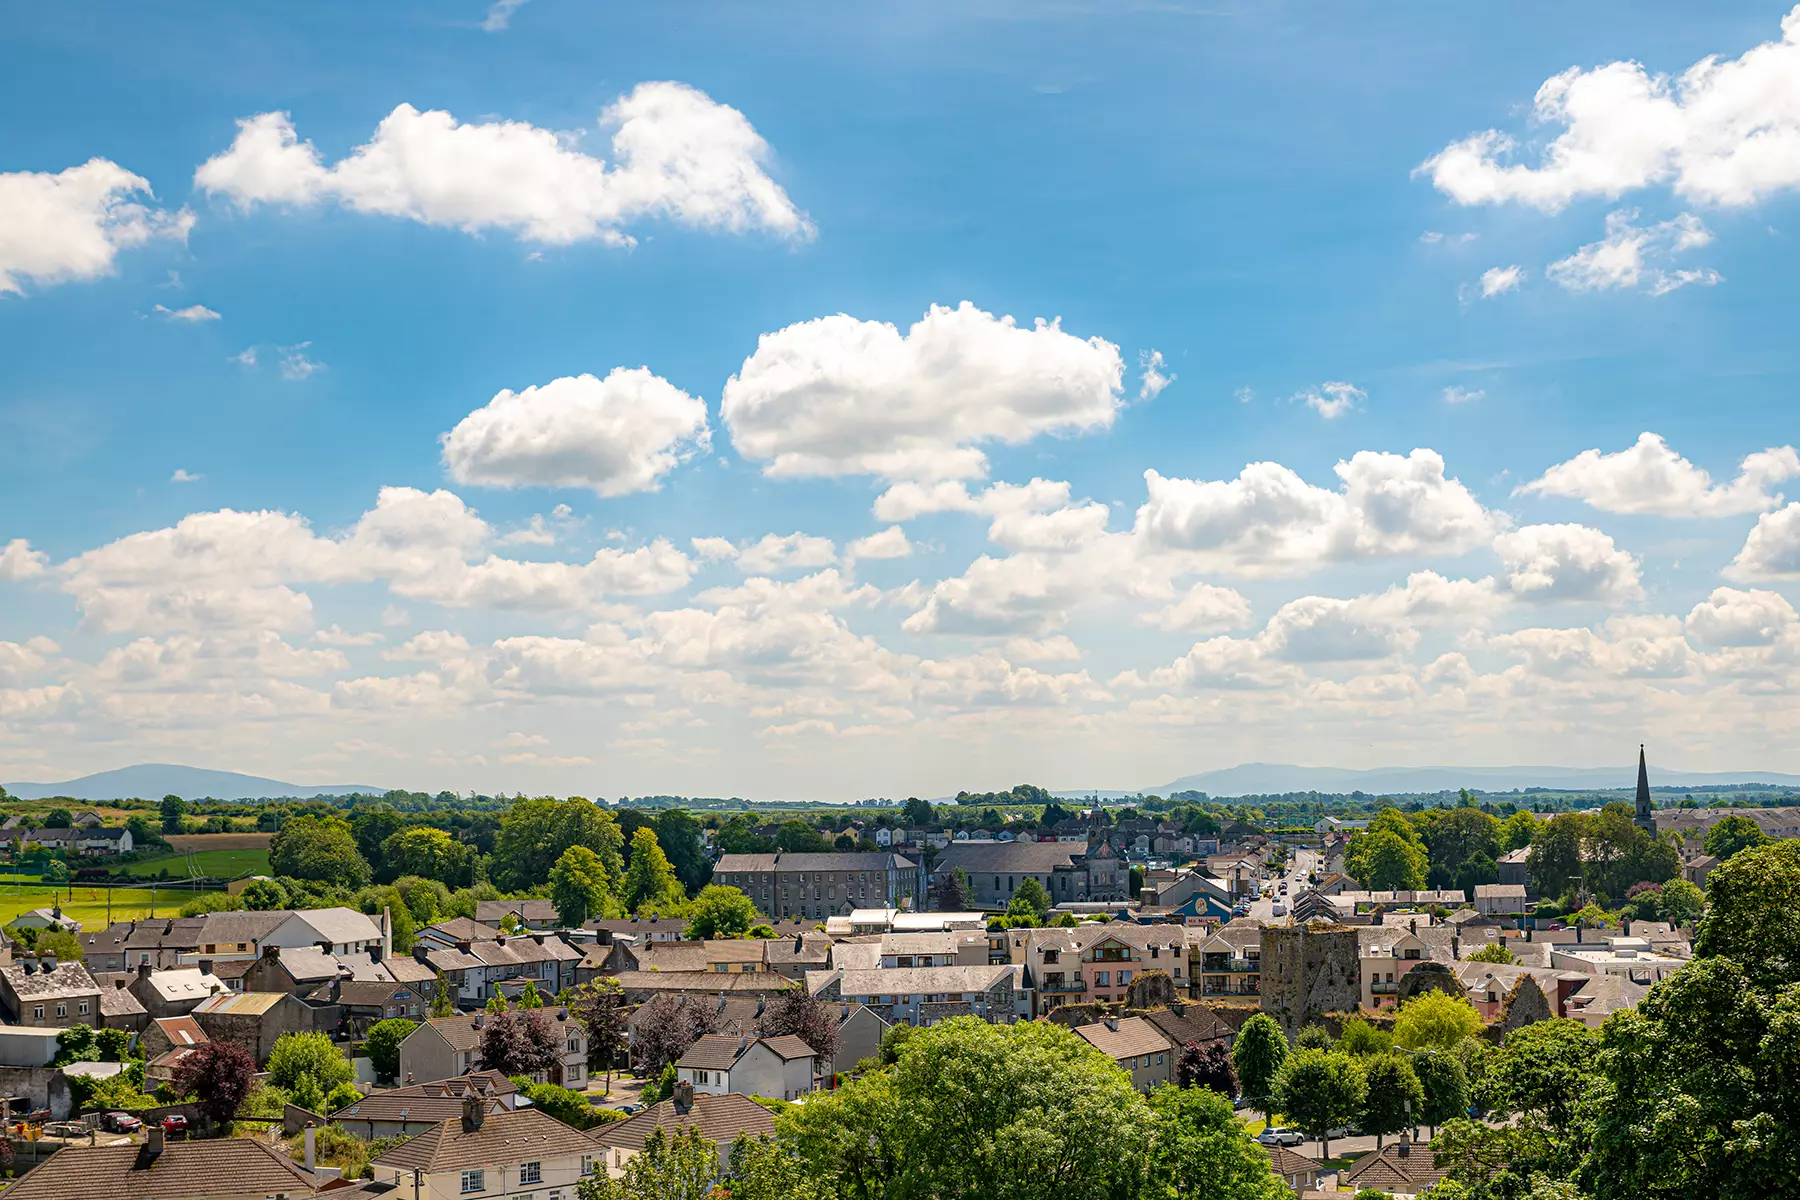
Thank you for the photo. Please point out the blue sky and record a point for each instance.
(1287, 203)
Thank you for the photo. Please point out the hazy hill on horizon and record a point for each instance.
(1250, 779)
(153, 781)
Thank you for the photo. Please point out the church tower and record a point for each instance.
(1646, 817)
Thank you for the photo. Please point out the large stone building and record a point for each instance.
(822, 885)
(1071, 872)
(1309, 970)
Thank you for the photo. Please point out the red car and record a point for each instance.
(174, 1123)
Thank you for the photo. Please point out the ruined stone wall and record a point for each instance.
(1308, 971)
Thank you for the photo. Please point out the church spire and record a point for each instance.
(1646, 817)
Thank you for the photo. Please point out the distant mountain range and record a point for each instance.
(153, 781)
(1250, 779)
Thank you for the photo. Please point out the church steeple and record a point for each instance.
(1646, 817)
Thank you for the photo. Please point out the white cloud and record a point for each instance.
(337, 636)
(183, 475)
(1624, 648)
(191, 314)
(1155, 377)
(1725, 132)
(72, 225)
(1462, 395)
(1729, 617)
(1203, 609)
(1432, 237)
(1057, 648)
(1573, 563)
(889, 543)
(616, 435)
(296, 365)
(19, 561)
(1497, 281)
(1625, 257)
(1772, 551)
(499, 14)
(838, 396)
(1648, 477)
(1270, 521)
(1333, 400)
(534, 533)
(247, 358)
(904, 501)
(676, 154)
(785, 553)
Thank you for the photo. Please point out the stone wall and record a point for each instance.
(1308, 971)
(46, 1087)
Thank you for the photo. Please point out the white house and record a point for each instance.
(781, 1068)
(348, 931)
(489, 1156)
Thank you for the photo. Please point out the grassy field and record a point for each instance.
(221, 863)
(89, 905)
(198, 842)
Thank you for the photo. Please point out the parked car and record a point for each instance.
(1280, 909)
(174, 1123)
(1281, 1135)
(1343, 1131)
(628, 1109)
(120, 1122)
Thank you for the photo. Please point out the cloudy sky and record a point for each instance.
(824, 400)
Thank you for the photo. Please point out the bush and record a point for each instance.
(343, 1096)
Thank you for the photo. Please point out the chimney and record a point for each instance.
(143, 970)
(480, 1020)
(1412, 926)
(312, 1153)
(153, 1141)
(474, 1113)
(683, 1097)
(1625, 927)
(1404, 1147)
(1112, 1024)
(387, 934)
(206, 965)
(1456, 946)
(49, 962)
(420, 950)
(271, 952)
(29, 963)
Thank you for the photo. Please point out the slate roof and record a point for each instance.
(720, 1052)
(1133, 1037)
(184, 983)
(518, 1135)
(1028, 858)
(720, 1118)
(540, 913)
(701, 981)
(645, 925)
(169, 933)
(69, 979)
(340, 925)
(117, 1002)
(1193, 1023)
(1392, 1171)
(848, 860)
(917, 980)
(183, 1171)
(424, 1103)
(239, 926)
(307, 964)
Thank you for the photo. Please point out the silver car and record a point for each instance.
(1281, 1135)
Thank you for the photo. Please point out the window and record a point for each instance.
(1159, 1060)
(37, 1012)
(62, 1010)
(81, 1009)
(474, 1181)
(587, 1164)
(531, 1172)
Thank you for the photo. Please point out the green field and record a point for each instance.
(218, 864)
(89, 904)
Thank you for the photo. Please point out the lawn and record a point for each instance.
(89, 904)
(218, 864)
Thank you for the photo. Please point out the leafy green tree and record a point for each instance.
(1031, 894)
(1494, 952)
(580, 888)
(61, 943)
(1199, 1148)
(1022, 1112)
(678, 833)
(56, 871)
(1554, 863)
(1731, 834)
(1314, 1037)
(530, 997)
(1388, 854)
(569, 1107)
(217, 1075)
(308, 1056)
(383, 1044)
(1445, 1085)
(1259, 1052)
(1435, 1019)
(916, 812)
(1681, 903)
(738, 836)
(1320, 1090)
(1456, 837)
(1396, 1098)
(372, 825)
(342, 1096)
(797, 837)
(426, 852)
(1753, 913)
(720, 911)
(58, 818)
(173, 809)
(75, 1044)
(533, 834)
(318, 848)
(678, 1167)
(1362, 1039)
(650, 881)
(1519, 831)
(442, 1003)
(763, 1168)
(112, 1044)
(264, 895)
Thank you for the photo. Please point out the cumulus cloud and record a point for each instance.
(72, 225)
(183, 475)
(838, 396)
(1462, 395)
(1730, 617)
(676, 154)
(1203, 609)
(295, 364)
(1497, 281)
(1727, 132)
(1772, 551)
(1648, 477)
(615, 435)
(19, 561)
(904, 501)
(1270, 521)
(1626, 257)
(779, 552)
(1333, 400)
(1567, 563)
(891, 542)
(1155, 375)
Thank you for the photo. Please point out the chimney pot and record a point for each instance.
(683, 1097)
(143, 970)
(153, 1140)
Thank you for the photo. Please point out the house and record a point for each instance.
(525, 914)
(446, 1046)
(1401, 1169)
(1299, 1172)
(257, 1020)
(362, 1003)
(860, 1029)
(1070, 872)
(104, 949)
(333, 930)
(173, 993)
(48, 993)
(816, 886)
(1500, 899)
(1229, 963)
(1601, 997)
(86, 840)
(1190, 1023)
(1696, 869)
(295, 970)
(488, 1154)
(1385, 954)
(927, 995)
(404, 1111)
(1135, 1044)
(1093, 963)
(792, 958)
(46, 918)
(229, 935)
(1628, 958)
(640, 986)
(654, 929)
(209, 1169)
(1514, 868)
(86, 820)
(119, 1009)
(725, 956)
(169, 1035)
(162, 942)
(780, 1068)
(721, 1120)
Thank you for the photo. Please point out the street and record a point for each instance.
(1263, 907)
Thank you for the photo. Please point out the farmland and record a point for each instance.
(88, 904)
(216, 864)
